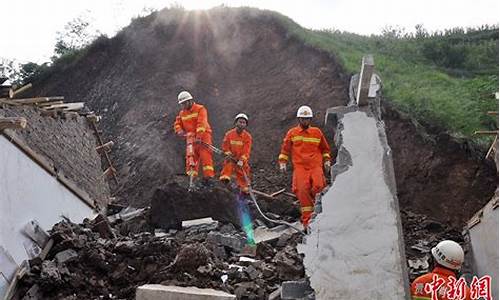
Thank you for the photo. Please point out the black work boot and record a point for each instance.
(208, 182)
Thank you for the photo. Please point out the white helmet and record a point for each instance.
(448, 254)
(184, 96)
(241, 116)
(304, 112)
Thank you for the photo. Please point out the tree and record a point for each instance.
(77, 34)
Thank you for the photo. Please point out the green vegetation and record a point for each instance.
(447, 79)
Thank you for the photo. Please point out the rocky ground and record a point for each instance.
(94, 261)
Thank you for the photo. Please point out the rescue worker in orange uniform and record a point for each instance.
(310, 153)
(237, 144)
(448, 258)
(193, 120)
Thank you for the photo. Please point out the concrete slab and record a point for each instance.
(170, 292)
(355, 248)
(196, 222)
(365, 77)
(264, 234)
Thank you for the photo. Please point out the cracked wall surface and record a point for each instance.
(356, 238)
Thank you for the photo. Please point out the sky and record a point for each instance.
(30, 27)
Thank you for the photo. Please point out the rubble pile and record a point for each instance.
(421, 234)
(96, 260)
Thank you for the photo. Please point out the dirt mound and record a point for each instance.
(243, 60)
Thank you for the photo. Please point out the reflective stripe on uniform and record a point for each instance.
(326, 155)
(283, 156)
(244, 157)
(307, 208)
(227, 153)
(420, 298)
(192, 173)
(200, 129)
(205, 168)
(306, 139)
(239, 143)
(224, 177)
(188, 117)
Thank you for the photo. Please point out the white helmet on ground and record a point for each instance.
(448, 254)
(184, 96)
(243, 116)
(304, 112)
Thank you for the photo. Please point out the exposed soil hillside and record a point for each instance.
(243, 60)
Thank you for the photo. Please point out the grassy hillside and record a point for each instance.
(445, 79)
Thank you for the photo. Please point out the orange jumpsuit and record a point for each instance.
(239, 147)
(195, 121)
(419, 292)
(309, 148)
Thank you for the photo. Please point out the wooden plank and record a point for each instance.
(99, 139)
(94, 118)
(109, 171)
(9, 102)
(31, 100)
(43, 104)
(492, 147)
(493, 113)
(37, 100)
(486, 132)
(22, 89)
(278, 192)
(66, 106)
(21, 271)
(263, 194)
(13, 123)
(104, 147)
(46, 249)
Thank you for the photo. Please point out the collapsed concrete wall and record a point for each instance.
(356, 238)
(28, 192)
(482, 232)
(68, 145)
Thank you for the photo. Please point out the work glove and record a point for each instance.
(327, 165)
(283, 167)
(240, 163)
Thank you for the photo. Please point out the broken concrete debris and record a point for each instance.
(198, 222)
(66, 256)
(300, 289)
(84, 264)
(233, 241)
